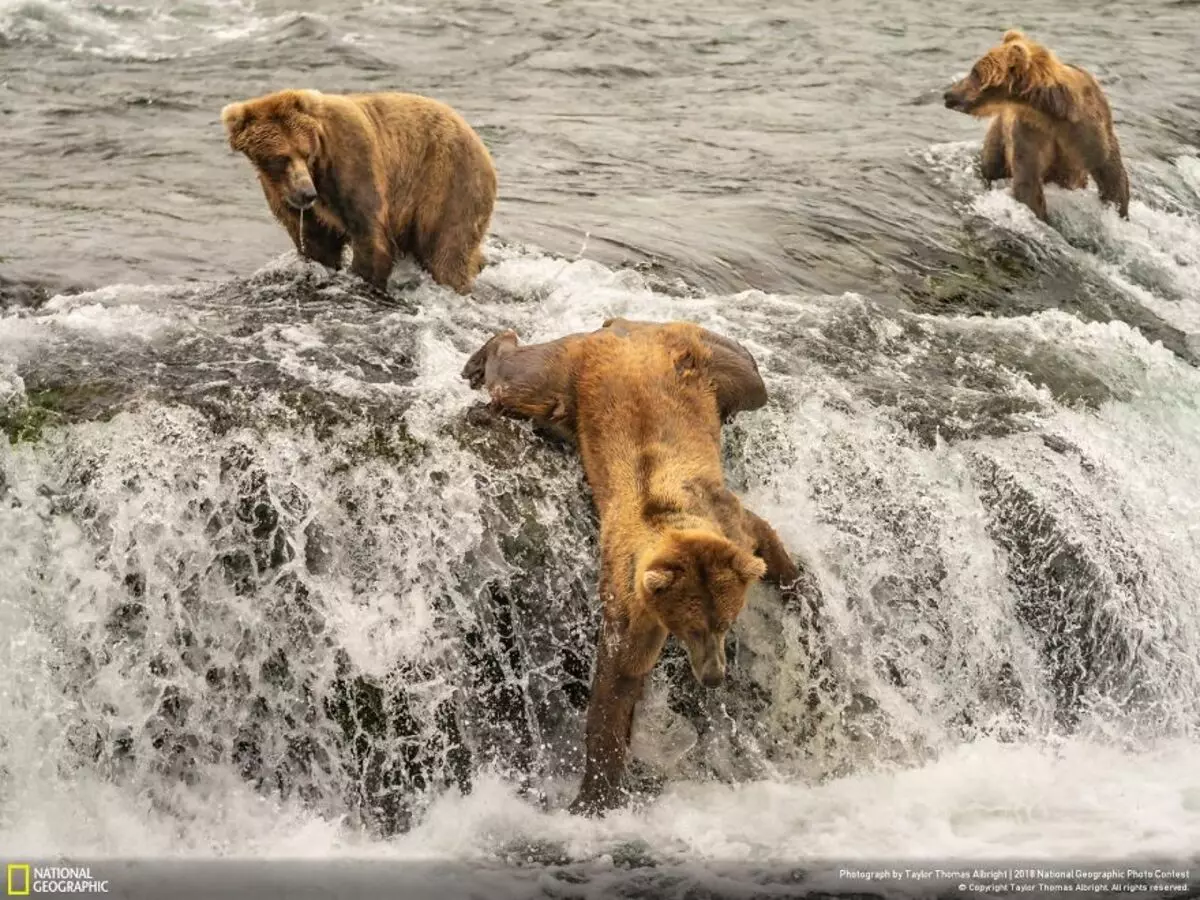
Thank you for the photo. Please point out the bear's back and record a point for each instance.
(645, 391)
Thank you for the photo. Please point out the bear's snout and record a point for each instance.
(303, 196)
(707, 657)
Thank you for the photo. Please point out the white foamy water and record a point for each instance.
(928, 554)
(1153, 257)
(270, 589)
(141, 31)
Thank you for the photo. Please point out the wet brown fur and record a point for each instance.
(644, 402)
(394, 174)
(1051, 123)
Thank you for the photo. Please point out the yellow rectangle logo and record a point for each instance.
(18, 886)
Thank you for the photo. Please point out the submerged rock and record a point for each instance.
(269, 534)
(305, 580)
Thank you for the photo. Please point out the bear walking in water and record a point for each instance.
(1050, 123)
(388, 173)
(644, 403)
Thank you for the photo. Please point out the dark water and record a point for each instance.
(271, 588)
(775, 146)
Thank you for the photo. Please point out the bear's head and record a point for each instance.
(1017, 70)
(695, 583)
(281, 134)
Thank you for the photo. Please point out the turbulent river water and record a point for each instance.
(269, 587)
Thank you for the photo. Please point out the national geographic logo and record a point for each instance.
(18, 880)
(23, 880)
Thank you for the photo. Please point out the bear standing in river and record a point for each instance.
(1051, 123)
(644, 403)
(389, 174)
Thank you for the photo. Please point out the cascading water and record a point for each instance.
(273, 584)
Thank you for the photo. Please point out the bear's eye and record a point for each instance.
(275, 164)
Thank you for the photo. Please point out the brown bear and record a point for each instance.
(644, 403)
(1051, 123)
(389, 173)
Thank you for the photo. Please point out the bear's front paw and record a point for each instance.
(587, 808)
(595, 801)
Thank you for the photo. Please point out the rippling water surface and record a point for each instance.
(271, 589)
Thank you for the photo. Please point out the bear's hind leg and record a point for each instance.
(734, 373)
(1066, 168)
(451, 237)
(1100, 152)
(483, 366)
(1113, 184)
(454, 262)
(535, 381)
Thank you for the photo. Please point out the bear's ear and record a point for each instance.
(306, 101)
(655, 580)
(1011, 35)
(1017, 56)
(750, 567)
(234, 117)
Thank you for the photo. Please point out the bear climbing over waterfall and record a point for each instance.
(644, 403)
